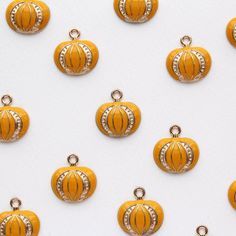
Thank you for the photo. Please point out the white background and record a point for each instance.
(62, 111)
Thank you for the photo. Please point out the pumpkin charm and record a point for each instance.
(118, 119)
(232, 195)
(27, 16)
(231, 32)
(140, 217)
(14, 121)
(138, 11)
(176, 155)
(76, 57)
(17, 222)
(188, 64)
(73, 183)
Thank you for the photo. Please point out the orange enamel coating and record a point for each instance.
(232, 195)
(231, 32)
(176, 155)
(140, 218)
(72, 185)
(118, 120)
(26, 19)
(135, 11)
(189, 64)
(8, 123)
(75, 58)
(15, 226)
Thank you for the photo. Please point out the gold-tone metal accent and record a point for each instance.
(73, 160)
(186, 41)
(15, 203)
(117, 95)
(74, 34)
(139, 193)
(175, 131)
(202, 231)
(6, 100)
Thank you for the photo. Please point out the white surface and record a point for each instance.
(132, 58)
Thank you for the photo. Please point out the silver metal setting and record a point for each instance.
(153, 217)
(130, 115)
(202, 62)
(189, 152)
(25, 220)
(38, 12)
(234, 32)
(85, 180)
(89, 59)
(18, 125)
(122, 8)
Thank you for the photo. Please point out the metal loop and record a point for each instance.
(186, 41)
(15, 203)
(175, 131)
(6, 100)
(139, 193)
(202, 231)
(117, 95)
(74, 34)
(73, 160)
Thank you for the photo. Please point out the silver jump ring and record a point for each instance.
(73, 159)
(202, 231)
(139, 193)
(117, 95)
(15, 203)
(74, 34)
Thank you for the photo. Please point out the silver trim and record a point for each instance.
(84, 178)
(25, 220)
(39, 14)
(131, 120)
(144, 18)
(153, 217)
(202, 62)
(189, 152)
(89, 59)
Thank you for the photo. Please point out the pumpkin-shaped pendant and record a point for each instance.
(232, 195)
(118, 119)
(76, 57)
(231, 32)
(73, 183)
(27, 16)
(18, 222)
(138, 11)
(140, 217)
(176, 155)
(14, 121)
(188, 64)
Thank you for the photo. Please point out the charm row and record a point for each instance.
(78, 57)
(173, 155)
(139, 217)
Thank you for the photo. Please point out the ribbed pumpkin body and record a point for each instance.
(140, 217)
(27, 16)
(176, 155)
(19, 223)
(231, 32)
(14, 123)
(232, 195)
(118, 119)
(189, 64)
(73, 184)
(136, 11)
(76, 57)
